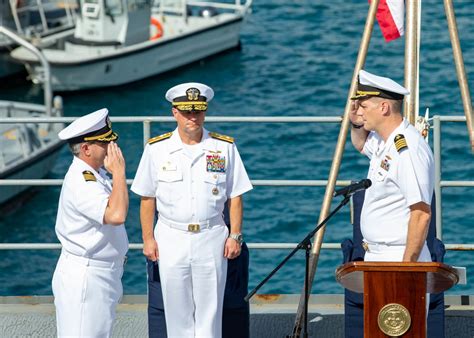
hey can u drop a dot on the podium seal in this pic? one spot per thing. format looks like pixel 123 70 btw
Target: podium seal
pixel 394 320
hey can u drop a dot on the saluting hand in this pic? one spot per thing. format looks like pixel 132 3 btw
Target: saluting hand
pixel 355 119
pixel 231 249
pixel 114 161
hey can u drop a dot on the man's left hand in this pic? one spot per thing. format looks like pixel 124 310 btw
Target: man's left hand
pixel 231 248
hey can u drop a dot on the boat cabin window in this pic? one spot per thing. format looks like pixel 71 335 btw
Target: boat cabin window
pixel 91 9
pixel 138 4
pixel 113 7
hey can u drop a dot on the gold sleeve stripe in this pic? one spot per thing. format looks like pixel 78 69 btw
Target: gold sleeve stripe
pixel 224 138
pixel 160 138
pixel 400 142
pixel 89 176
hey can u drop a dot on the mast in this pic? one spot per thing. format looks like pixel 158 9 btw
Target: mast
pixel 460 70
pixel 412 59
pixel 336 162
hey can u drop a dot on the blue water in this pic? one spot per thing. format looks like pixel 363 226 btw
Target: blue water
pixel 297 60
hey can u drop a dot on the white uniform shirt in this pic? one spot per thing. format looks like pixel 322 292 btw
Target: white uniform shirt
pixel 191 186
pixel 399 180
pixel 81 209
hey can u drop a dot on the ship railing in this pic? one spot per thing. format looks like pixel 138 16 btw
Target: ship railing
pixel 148 120
pixel 42 9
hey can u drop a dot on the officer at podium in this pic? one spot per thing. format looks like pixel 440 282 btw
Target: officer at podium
pixel 396 213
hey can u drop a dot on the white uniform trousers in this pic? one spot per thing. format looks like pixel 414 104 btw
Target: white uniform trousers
pixel 193 274
pixel 86 293
pixel 394 253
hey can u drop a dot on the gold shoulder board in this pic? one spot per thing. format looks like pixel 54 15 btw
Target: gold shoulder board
pixel 160 138
pixel 224 138
pixel 400 142
pixel 89 176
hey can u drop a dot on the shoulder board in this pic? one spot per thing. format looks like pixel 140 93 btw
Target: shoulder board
pixel 160 138
pixel 224 138
pixel 89 176
pixel 400 142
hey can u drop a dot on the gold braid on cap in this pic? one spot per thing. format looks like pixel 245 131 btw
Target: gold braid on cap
pixel 178 103
pixel 103 137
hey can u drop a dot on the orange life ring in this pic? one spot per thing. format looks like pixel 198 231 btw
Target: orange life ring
pixel 159 29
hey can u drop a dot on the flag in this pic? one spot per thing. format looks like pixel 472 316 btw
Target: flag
pixel 391 17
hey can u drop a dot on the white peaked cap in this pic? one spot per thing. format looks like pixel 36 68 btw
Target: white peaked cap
pixel 373 85
pixel 95 126
pixel 191 91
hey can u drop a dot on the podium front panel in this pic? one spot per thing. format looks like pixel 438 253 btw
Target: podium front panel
pixel 395 303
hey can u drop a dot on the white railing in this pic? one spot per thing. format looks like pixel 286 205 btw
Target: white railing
pixel 147 120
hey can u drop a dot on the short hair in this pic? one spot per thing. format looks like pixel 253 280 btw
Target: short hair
pixel 397 105
pixel 75 148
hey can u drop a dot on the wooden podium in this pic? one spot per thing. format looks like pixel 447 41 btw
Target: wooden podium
pixel 395 294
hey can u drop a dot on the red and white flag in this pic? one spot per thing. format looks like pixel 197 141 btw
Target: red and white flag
pixel 391 18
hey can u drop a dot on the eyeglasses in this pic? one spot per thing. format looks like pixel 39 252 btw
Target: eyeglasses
pixel 188 108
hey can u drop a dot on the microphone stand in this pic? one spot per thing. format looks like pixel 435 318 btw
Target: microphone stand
pixel 306 245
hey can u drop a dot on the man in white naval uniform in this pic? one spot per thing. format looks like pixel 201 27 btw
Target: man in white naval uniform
pixel 87 281
pixel 396 212
pixel 187 175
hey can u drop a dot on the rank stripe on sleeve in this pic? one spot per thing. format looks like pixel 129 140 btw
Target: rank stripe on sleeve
pixel 89 176
pixel 400 142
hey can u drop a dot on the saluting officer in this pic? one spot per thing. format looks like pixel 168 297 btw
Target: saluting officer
pixel 396 212
pixel 87 281
pixel 187 175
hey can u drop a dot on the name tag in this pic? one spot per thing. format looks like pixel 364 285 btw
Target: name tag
pixel 168 166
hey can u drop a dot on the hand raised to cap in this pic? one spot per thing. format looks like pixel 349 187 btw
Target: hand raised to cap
pixel 114 161
pixel 353 117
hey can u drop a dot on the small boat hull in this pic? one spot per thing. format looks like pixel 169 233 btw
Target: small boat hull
pixel 7 66
pixel 35 167
pixel 147 59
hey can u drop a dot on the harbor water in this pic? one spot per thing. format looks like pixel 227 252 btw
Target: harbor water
pixel 297 59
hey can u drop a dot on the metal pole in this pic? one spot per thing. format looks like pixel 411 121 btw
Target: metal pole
pixel 336 161
pixel 146 132
pixel 460 71
pixel 48 93
pixel 44 22
pixel 412 59
pixel 437 182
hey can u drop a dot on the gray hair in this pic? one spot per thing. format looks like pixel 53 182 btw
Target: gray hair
pixel 75 148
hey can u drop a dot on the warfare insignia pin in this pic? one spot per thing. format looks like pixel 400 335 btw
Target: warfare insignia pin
pixel 215 163
pixel 400 142
pixel 193 94
pixel 89 176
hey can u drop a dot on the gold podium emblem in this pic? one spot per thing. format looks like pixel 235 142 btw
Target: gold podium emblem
pixel 394 320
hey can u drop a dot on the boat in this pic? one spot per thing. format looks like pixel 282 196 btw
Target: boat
pixel 27 150
pixel 118 42
pixel 32 20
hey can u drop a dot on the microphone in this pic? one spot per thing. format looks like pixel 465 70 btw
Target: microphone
pixel 353 188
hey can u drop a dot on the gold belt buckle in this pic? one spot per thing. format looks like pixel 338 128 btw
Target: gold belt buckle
pixel 193 227
pixel 365 245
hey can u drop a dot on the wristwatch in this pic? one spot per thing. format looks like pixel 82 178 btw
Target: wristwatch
pixel 237 237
